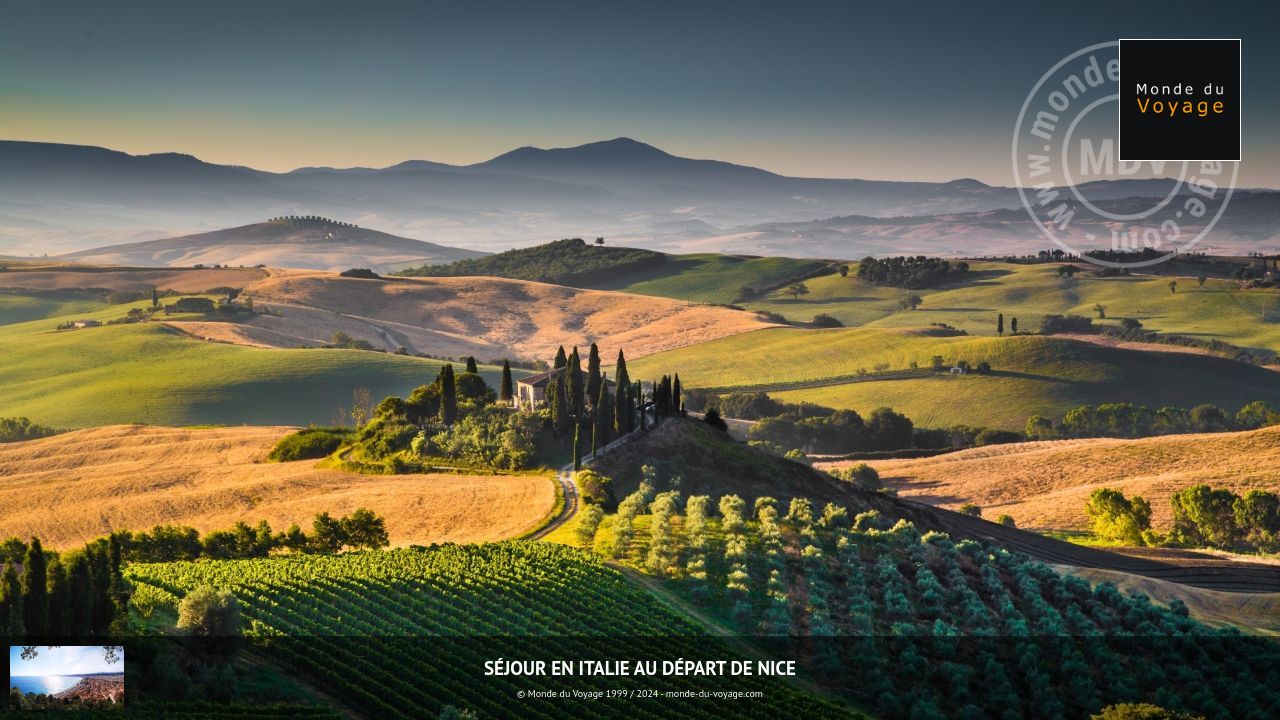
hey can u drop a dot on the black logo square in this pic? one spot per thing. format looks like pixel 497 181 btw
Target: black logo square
pixel 1180 100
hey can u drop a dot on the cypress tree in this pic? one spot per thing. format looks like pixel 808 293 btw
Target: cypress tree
pixel 593 373
pixel 471 365
pixel 80 590
pixel 1013 326
pixel 448 395
pixel 577 446
pixel 623 410
pixel 505 390
pixel 103 605
pixel 644 417
pixel 604 419
pixel 155 298
pixel 59 598
pixel 1000 324
pixel 576 386
pixel 561 361
pixel 35 591
pixel 677 400
pixel 558 405
pixel 11 621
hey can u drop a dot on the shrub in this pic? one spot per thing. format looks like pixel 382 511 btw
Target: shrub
pixel 1051 324
pixel 1006 520
pixel 823 320
pixel 309 444
pixel 595 489
pixel 209 613
pixel 970 509
pixel 712 418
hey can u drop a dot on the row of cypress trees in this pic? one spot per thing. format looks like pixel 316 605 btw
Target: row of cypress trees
pixel 45 594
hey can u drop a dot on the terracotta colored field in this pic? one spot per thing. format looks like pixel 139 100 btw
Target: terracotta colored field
pixel 485 317
pixel 1045 485
pixel 183 281
pixel 70 488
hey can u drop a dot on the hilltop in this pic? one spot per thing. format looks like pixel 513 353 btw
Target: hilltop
pixel 312 243
pixel 1045 484
pixel 134 477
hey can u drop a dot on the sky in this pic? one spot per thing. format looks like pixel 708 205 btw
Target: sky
pixel 898 91
pixel 64 660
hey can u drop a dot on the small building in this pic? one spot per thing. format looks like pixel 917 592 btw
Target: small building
pixel 193 304
pixel 531 390
pixel 88 323
pixel 958 370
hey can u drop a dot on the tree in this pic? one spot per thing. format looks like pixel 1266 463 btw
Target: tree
pixel 327 534
pixel 471 365
pixel 1013 326
pixel 155 298
pixel 1173 286
pixel 677 399
pixel 505 390
pixel 1257 414
pixel 561 360
pixel 1115 517
pixel 577 446
pixel 1039 427
pixel 594 488
pixel 624 399
pixel 11 614
pixel 1203 515
pixel 843 270
pixel 1200 280
pixel 1006 520
pixel 576 386
pixel 712 418
pixel 59 598
pixel 448 395
pixel 471 386
pixel 207 612
pixel 1208 418
pixel 795 290
pixel 593 373
pixel 970 509
pixel 1101 310
pixel 911 302
pixel 1000 324
pixel 888 430
pixel 603 419
pixel 35 591
pixel 364 529
pixel 1257 516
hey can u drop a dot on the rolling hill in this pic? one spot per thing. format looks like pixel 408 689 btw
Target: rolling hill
pixel 1031 374
pixel 1044 485
pixel 311 244
pixel 487 317
pixel 134 477
pixel 152 373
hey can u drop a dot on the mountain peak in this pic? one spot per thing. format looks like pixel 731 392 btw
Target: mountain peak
pixel 621 148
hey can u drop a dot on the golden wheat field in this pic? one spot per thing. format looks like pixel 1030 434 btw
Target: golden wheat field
pixel 481 316
pixel 73 487
pixel 1044 485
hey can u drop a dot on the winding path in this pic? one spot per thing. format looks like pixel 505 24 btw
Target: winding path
pixel 565 478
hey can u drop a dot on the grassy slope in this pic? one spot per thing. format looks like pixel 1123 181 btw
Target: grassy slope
pixel 24 308
pixel 1033 374
pixel 152 374
pixel 1249 318
pixel 709 277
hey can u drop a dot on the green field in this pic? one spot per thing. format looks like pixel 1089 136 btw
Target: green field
pixel 403 633
pixel 150 373
pixel 1031 374
pixel 710 278
pixel 23 308
pixel 1248 318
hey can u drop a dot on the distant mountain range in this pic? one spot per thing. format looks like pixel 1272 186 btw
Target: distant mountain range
pixel 314 244
pixel 65 198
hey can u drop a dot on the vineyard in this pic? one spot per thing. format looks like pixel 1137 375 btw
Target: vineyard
pixel 917 626
pixel 404 633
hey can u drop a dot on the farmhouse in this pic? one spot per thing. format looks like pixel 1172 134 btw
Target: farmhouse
pixel 88 323
pixel 531 390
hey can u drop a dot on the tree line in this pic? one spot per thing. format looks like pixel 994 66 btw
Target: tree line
pixel 1203 516
pixel 1127 420
pixel 79 594
pixel 913 272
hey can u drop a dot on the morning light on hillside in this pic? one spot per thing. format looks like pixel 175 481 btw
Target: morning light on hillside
pixel 412 360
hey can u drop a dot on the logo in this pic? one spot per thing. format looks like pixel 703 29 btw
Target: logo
pixel 1082 196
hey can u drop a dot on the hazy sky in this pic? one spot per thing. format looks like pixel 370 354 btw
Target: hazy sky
pixel 64 660
pixel 877 90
